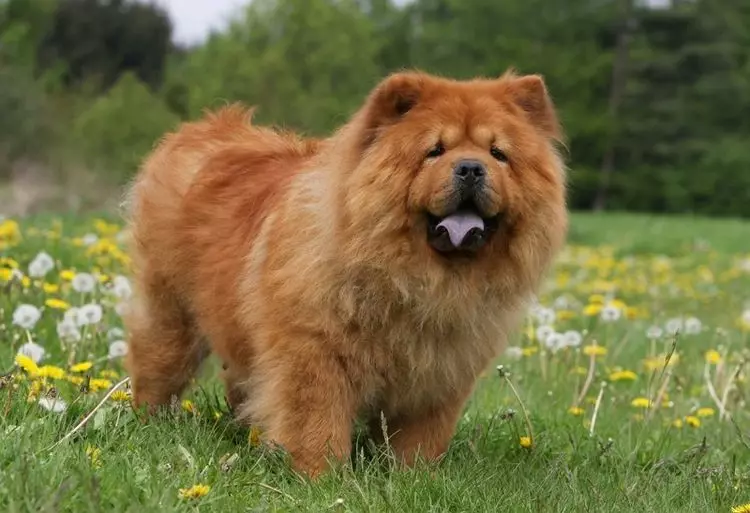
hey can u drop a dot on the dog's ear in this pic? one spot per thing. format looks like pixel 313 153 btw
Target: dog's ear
pixel 529 92
pixel 391 100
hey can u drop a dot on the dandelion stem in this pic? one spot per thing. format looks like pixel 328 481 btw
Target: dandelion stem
pixel 659 395
pixel 506 376
pixel 728 388
pixel 596 407
pixel 712 390
pixel 589 379
pixel 83 422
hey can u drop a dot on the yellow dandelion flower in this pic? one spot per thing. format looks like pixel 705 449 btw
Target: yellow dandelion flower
pixel 120 396
pixel 623 375
pixel 705 412
pixel 67 274
pixel 194 492
pixel 592 310
pixel 742 508
pixel 575 410
pixel 566 315
pixel 594 350
pixel 525 442
pixel 641 402
pixel 596 299
pixel 10 233
pixel 94 455
pixel 5 274
pixel 188 406
pixel 616 303
pixel 50 371
pixel 105 229
pixel 9 262
pixel 57 304
pixel 102 247
pixel 27 364
pixel 81 367
pixel 659 362
pixel 254 436
pixel 37 387
pixel 713 357
pixel 693 421
pixel 50 288
pixel 97 384
pixel 76 380
pixel 26 282
pixel 581 371
pixel 677 423
pixel 217 415
pixel 562 279
pixel 528 351
pixel 108 374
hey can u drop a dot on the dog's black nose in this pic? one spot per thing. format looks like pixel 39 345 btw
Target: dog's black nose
pixel 469 172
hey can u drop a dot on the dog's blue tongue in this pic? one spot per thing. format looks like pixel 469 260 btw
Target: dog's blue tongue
pixel 460 224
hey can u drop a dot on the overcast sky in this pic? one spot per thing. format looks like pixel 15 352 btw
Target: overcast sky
pixel 194 19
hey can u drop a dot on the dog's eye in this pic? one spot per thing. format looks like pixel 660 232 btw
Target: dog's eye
pixel 436 151
pixel 498 154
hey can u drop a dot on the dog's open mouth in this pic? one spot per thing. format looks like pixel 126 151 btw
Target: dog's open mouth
pixel 465 230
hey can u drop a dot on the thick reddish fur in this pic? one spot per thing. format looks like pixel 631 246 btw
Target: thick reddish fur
pixel 304 264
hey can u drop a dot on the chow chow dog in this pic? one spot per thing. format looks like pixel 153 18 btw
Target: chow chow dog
pixel 370 275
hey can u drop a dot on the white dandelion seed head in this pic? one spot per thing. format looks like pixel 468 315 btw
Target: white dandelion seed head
pixel 89 314
pixel 115 333
pixel 543 333
pixel 693 326
pixel 534 309
pixel 514 352
pixel 545 316
pixel 41 265
pixel 32 350
pixel 654 333
pixel 89 239
pixel 84 283
pixel 744 265
pixel 71 314
pixel 26 316
pixel 555 342
pixel 121 287
pixel 673 326
pixel 118 349
pixel 610 313
pixel 572 338
pixel 68 331
pixel 746 316
pixel 122 308
pixel 55 405
pixel 561 303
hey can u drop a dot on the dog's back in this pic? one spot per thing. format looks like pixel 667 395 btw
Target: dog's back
pixel 194 209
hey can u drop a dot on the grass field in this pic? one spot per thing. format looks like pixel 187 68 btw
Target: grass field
pixel 632 370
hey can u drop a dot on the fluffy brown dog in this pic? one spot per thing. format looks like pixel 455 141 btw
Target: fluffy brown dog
pixel 377 271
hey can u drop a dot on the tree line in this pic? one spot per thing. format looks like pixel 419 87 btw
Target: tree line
pixel 654 100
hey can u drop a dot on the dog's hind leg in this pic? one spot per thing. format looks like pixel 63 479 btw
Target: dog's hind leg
pixel 165 349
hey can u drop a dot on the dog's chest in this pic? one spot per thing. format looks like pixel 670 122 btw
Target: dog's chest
pixel 412 368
